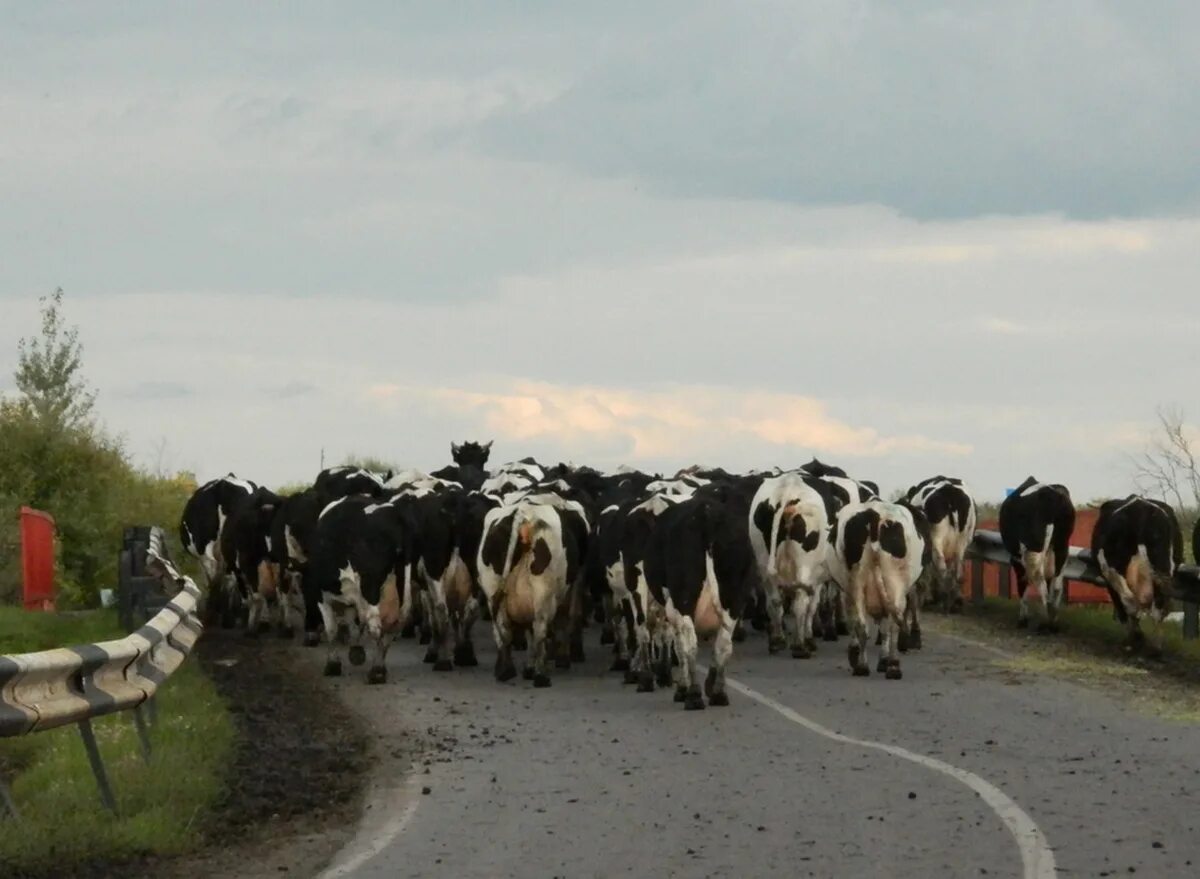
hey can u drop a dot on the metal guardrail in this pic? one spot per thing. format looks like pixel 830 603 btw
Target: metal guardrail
pixel 53 688
pixel 1080 567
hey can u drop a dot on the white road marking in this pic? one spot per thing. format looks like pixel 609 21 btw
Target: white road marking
pixel 374 836
pixel 1036 855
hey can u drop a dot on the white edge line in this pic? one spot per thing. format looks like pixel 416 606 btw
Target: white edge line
pixel 1036 855
pixel 372 838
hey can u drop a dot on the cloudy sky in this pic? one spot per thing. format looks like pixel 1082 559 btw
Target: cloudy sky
pixel 909 238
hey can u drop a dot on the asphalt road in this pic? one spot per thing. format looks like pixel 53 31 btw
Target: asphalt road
pixel 963 768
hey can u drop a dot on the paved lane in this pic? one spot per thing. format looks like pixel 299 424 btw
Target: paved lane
pixel 589 778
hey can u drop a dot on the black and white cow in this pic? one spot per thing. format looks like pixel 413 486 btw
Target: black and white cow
pixel 200 526
pixel 877 556
pixel 1036 522
pixel 528 563
pixel 339 482
pixel 700 570
pixel 788 523
pixel 470 464
pixel 949 508
pixel 360 577
pixel 1138 545
pixel 246 550
pixel 292 530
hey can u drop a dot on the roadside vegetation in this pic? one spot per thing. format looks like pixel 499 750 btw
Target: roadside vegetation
pixel 161 806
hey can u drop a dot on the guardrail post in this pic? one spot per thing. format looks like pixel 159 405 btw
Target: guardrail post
pixel 1005 581
pixel 7 800
pixel 1191 620
pixel 93 752
pixel 139 721
pixel 977 582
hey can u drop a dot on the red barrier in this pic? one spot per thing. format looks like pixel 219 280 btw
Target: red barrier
pixel 37 558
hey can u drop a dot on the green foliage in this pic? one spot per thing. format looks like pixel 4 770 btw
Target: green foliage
pixel 54 457
pixel 62 822
pixel 49 371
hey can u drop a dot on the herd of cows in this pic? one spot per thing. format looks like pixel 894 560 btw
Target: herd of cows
pixel 660 563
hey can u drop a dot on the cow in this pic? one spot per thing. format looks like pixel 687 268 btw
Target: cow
pixel 1036 522
pixel 339 482
pixel 292 530
pixel 700 569
pixel 950 510
pixel 528 562
pixel 360 577
pixel 1138 545
pixel 788 522
pixel 200 526
pixel 876 556
pixel 470 464
pixel 246 550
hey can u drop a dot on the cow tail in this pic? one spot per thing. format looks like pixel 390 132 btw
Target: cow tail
pixel 771 550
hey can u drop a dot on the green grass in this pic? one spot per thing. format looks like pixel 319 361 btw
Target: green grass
pixel 162 806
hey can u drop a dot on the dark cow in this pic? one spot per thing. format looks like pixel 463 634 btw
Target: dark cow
pixel 292 530
pixel 877 556
pixel 529 561
pixel 360 577
pixel 1036 522
pixel 246 549
pixel 470 465
pixel 339 482
pixel 700 569
pixel 1138 545
pixel 200 526
pixel 949 508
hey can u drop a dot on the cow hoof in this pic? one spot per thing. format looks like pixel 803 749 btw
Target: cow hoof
pixel 527 673
pixel 519 641
pixel 607 637
pixel 286 633
pixel 710 681
pixel 801 651
pixel 719 700
pixel 409 631
pixel 312 639
pixel 430 655
pixel 645 683
pixel 902 643
pixel 1022 622
pixel 914 640
pixel 739 634
pixel 541 680
pixel 562 662
pixel 842 629
pixel 758 624
pixel 619 663
pixel 663 679
pixel 426 637
pixel 882 665
pixel 893 672
pixel 505 671
pixel 681 694
pixel 694 701
pixel 333 668
pixel 811 644
pixel 358 654
pixel 464 655
pixel 861 671
pixel 443 665
pixel 631 676
pixel 774 645
pixel 377 675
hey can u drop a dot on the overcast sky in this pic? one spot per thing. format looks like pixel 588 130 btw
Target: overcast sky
pixel 908 238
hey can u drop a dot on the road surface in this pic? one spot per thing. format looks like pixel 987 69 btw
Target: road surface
pixel 963 768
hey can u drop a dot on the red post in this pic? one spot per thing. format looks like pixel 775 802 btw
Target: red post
pixel 37 558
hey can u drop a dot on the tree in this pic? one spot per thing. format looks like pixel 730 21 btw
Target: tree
pixel 49 371
pixel 1168 468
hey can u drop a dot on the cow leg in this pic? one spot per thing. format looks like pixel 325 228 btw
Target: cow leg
pixel 810 620
pixel 775 636
pixel 537 649
pixel 357 653
pixel 443 633
pixel 506 670
pixel 608 628
pixel 464 650
pixel 665 643
pixel 714 683
pixel 857 651
pixel 577 618
pixel 1052 601
pixel 621 637
pixel 333 661
pixel 1022 587
pixel 891 660
pixel 377 673
pixel 799 613
pixel 686 646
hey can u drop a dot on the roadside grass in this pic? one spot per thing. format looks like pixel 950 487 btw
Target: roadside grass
pixel 162 806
